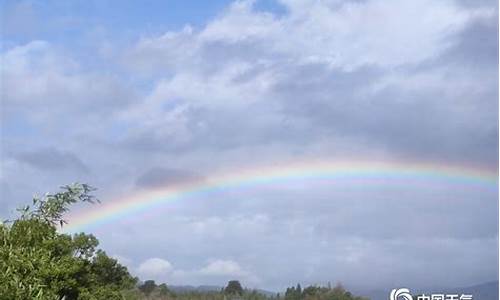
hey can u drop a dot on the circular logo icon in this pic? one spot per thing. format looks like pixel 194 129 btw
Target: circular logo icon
pixel 401 294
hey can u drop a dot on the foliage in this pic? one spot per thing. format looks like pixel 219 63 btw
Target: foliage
pixel 37 262
pixel 51 208
pixel 150 289
pixel 319 293
pixel 233 288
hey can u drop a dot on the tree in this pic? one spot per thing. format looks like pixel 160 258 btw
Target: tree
pixel 233 288
pixel 163 290
pixel 37 262
pixel 319 293
pixel 147 287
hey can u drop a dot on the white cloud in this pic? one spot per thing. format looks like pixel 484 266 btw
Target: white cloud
pixel 217 227
pixel 222 267
pixel 44 82
pixel 216 272
pixel 275 68
pixel 155 268
pixel 346 35
pixel 241 23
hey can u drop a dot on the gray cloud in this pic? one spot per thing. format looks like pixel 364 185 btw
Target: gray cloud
pixel 161 177
pixel 307 101
pixel 51 159
pixel 332 234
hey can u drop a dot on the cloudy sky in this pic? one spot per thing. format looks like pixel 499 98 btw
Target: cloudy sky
pixel 131 95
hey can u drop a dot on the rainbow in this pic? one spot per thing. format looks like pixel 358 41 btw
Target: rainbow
pixel 285 173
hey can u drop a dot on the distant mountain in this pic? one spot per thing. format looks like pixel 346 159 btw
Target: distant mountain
pixel 264 292
pixel 190 288
pixel 484 291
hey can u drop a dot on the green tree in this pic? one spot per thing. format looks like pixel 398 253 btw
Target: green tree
pixel 147 287
pixel 319 293
pixel 163 290
pixel 233 288
pixel 37 262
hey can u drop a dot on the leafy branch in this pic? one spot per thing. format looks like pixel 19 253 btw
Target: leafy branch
pixel 51 208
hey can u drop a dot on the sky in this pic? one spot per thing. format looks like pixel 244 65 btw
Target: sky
pixel 129 96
